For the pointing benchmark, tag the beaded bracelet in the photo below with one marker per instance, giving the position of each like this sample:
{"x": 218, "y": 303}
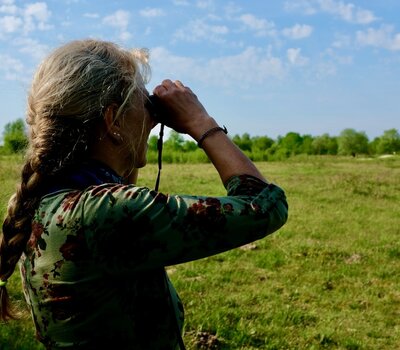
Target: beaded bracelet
{"x": 211, "y": 131}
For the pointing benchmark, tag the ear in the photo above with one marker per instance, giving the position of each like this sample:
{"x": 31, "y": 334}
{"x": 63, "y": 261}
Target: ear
{"x": 113, "y": 125}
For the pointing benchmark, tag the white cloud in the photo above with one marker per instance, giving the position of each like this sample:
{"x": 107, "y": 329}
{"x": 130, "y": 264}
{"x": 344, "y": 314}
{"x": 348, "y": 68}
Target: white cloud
{"x": 32, "y": 47}
{"x": 199, "y": 30}
{"x": 91, "y": 15}
{"x": 325, "y": 69}
{"x": 232, "y": 9}
{"x": 11, "y": 68}
{"x": 119, "y": 20}
{"x": 124, "y": 35}
{"x": 8, "y": 7}
{"x": 252, "y": 66}
{"x": 38, "y": 11}
{"x": 152, "y": 12}
{"x": 261, "y": 26}
{"x": 382, "y": 37}
{"x": 364, "y": 16}
{"x": 169, "y": 64}
{"x": 10, "y": 24}
{"x": 205, "y": 4}
{"x": 36, "y": 16}
{"x": 344, "y": 60}
{"x": 298, "y": 31}
{"x": 303, "y": 6}
{"x": 180, "y": 2}
{"x": 341, "y": 41}
{"x": 346, "y": 11}
{"x": 249, "y": 67}
{"x": 295, "y": 58}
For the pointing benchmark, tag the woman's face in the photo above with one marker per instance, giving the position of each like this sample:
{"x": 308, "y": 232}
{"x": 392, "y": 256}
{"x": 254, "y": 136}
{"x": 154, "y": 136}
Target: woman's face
{"x": 137, "y": 124}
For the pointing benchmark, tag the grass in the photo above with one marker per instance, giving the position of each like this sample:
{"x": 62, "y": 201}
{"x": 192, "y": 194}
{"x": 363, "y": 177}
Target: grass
{"x": 329, "y": 279}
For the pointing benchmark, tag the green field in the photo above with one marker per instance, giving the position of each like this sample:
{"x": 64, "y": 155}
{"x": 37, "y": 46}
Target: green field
{"x": 329, "y": 279}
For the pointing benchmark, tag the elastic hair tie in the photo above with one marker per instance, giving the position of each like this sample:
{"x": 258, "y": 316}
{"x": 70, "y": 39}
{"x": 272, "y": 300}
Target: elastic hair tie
{"x": 3, "y": 283}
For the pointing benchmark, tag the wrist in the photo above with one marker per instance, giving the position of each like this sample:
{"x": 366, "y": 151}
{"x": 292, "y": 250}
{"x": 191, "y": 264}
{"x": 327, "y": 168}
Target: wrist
{"x": 200, "y": 129}
{"x": 210, "y": 132}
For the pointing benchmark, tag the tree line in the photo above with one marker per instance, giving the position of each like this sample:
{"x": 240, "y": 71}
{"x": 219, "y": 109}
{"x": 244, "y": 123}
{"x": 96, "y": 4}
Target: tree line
{"x": 262, "y": 148}
{"x": 259, "y": 148}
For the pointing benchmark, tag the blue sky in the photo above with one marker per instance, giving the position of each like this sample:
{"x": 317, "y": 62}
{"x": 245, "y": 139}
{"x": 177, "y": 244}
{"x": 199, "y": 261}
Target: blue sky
{"x": 260, "y": 67}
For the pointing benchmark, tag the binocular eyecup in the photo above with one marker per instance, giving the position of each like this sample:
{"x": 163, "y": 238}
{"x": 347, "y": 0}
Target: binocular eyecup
{"x": 155, "y": 109}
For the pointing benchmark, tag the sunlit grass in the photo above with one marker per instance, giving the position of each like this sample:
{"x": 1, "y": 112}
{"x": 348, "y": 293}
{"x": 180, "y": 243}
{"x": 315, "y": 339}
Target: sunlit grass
{"x": 329, "y": 279}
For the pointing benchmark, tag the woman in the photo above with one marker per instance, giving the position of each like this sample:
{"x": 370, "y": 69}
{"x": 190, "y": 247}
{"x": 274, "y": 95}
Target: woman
{"x": 92, "y": 244}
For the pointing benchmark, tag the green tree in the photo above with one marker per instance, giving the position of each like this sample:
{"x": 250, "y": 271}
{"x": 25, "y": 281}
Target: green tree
{"x": 153, "y": 140}
{"x": 290, "y": 144}
{"x": 352, "y": 142}
{"x": 259, "y": 147}
{"x": 14, "y": 136}
{"x": 389, "y": 142}
{"x": 373, "y": 146}
{"x": 175, "y": 141}
{"x": 325, "y": 144}
{"x": 243, "y": 142}
{"x": 189, "y": 146}
{"x": 306, "y": 145}
{"x": 261, "y": 143}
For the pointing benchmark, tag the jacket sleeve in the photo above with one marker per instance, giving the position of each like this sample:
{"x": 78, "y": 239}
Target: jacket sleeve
{"x": 130, "y": 228}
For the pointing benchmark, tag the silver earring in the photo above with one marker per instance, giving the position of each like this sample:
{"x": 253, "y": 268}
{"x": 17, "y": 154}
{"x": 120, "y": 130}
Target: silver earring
{"x": 119, "y": 136}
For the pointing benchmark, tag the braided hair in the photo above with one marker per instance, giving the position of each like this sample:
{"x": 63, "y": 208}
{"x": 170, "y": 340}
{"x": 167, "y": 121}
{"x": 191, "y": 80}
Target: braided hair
{"x": 69, "y": 93}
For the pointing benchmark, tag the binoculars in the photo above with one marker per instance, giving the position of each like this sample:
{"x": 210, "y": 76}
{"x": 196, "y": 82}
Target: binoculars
{"x": 154, "y": 108}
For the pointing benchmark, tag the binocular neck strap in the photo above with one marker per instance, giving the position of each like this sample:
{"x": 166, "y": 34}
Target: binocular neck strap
{"x": 159, "y": 148}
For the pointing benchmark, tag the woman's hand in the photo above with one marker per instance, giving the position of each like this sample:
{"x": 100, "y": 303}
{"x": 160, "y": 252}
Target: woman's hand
{"x": 185, "y": 114}
{"x": 183, "y": 111}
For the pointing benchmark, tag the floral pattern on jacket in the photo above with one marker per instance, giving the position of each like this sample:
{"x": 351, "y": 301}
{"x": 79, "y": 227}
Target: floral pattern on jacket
{"x": 93, "y": 272}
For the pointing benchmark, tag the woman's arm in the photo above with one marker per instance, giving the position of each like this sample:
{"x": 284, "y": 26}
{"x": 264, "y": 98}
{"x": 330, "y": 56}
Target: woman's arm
{"x": 184, "y": 113}
{"x": 130, "y": 228}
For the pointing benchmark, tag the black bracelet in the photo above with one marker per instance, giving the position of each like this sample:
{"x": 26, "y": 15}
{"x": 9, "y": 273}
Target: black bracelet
{"x": 211, "y": 131}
